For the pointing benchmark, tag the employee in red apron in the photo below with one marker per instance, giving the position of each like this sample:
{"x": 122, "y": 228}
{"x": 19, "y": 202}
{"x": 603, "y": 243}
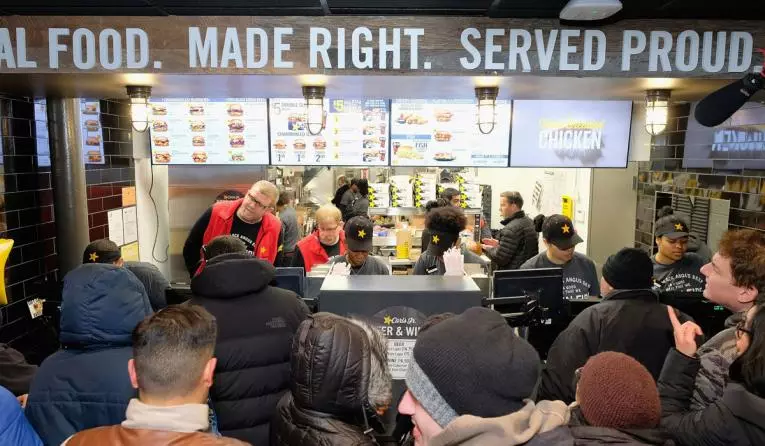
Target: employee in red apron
{"x": 247, "y": 219}
{"x": 326, "y": 242}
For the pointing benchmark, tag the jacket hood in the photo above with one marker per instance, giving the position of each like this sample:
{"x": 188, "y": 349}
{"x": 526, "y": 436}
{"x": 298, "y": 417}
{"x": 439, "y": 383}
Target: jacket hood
{"x": 514, "y": 429}
{"x": 101, "y": 306}
{"x": 331, "y": 365}
{"x": 233, "y": 275}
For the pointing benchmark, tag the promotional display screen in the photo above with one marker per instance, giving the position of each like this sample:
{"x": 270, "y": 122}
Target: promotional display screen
{"x": 355, "y": 133}
{"x": 444, "y": 133}
{"x": 209, "y": 131}
{"x": 570, "y": 133}
{"x": 92, "y": 135}
{"x": 738, "y": 143}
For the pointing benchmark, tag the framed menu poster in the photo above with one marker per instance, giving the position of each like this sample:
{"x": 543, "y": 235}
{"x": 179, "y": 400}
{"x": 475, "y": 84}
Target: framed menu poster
{"x": 444, "y": 133}
{"x": 209, "y": 131}
{"x": 92, "y": 135}
{"x": 355, "y": 134}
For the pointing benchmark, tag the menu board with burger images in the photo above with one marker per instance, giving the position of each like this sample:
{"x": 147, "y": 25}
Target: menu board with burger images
{"x": 444, "y": 133}
{"x": 92, "y": 136}
{"x": 571, "y": 133}
{"x": 209, "y": 131}
{"x": 355, "y": 134}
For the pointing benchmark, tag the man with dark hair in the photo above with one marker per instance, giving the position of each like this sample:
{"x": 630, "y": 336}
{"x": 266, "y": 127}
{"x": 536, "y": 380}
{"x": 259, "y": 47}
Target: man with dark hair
{"x": 172, "y": 368}
{"x": 223, "y": 244}
{"x": 452, "y": 195}
{"x": 518, "y": 241}
{"x": 157, "y": 286}
{"x": 290, "y": 228}
{"x": 444, "y": 225}
{"x": 735, "y": 279}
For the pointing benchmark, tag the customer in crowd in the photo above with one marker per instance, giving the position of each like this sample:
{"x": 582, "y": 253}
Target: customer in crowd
{"x": 580, "y": 278}
{"x": 326, "y": 242}
{"x": 629, "y": 320}
{"x": 429, "y": 206}
{"x": 157, "y": 286}
{"x": 86, "y": 384}
{"x": 357, "y": 261}
{"x": 172, "y": 369}
{"x": 470, "y": 381}
{"x": 14, "y": 428}
{"x": 15, "y": 372}
{"x": 248, "y": 219}
{"x": 444, "y": 225}
{"x": 256, "y": 323}
{"x": 360, "y": 203}
{"x": 340, "y": 384}
{"x": 518, "y": 240}
{"x": 290, "y": 228}
{"x": 735, "y": 279}
{"x": 674, "y": 268}
{"x": 616, "y": 403}
{"x": 736, "y": 418}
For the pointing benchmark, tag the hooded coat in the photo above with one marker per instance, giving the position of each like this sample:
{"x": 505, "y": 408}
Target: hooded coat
{"x": 256, "y": 323}
{"x": 328, "y": 399}
{"x": 86, "y": 383}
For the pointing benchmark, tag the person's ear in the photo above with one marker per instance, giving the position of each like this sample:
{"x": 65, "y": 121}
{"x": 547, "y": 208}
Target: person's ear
{"x": 748, "y": 295}
{"x": 120, "y": 262}
{"x": 209, "y": 372}
{"x": 132, "y": 373}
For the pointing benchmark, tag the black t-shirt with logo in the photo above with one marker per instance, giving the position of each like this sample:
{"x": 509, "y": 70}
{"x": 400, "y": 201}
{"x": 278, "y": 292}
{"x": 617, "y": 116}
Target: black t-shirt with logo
{"x": 683, "y": 276}
{"x": 580, "y": 277}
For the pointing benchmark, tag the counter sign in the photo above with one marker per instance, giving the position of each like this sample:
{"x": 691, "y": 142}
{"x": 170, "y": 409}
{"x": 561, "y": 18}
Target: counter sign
{"x": 400, "y": 325}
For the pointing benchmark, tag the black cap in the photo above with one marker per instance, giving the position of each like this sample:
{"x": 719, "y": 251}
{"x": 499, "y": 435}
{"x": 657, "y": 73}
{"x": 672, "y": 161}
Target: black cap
{"x": 358, "y": 233}
{"x": 101, "y": 251}
{"x": 629, "y": 269}
{"x": 559, "y": 230}
{"x": 671, "y": 226}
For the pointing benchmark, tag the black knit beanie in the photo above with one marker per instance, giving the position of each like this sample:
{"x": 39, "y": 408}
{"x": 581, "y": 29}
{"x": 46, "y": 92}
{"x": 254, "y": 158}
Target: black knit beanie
{"x": 472, "y": 364}
{"x": 629, "y": 269}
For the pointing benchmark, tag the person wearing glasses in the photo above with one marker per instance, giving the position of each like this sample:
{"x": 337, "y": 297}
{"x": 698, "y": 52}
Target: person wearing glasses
{"x": 247, "y": 219}
{"x": 327, "y": 241}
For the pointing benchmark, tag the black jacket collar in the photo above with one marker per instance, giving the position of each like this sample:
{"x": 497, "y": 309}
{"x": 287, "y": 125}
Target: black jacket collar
{"x": 519, "y": 214}
{"x": 645, "y": 295}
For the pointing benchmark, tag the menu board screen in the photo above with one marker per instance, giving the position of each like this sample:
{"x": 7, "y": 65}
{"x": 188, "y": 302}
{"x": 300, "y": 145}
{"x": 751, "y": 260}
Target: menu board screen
{"x": 571, "y": 133}
{"x": 445, "y": 133}
{"x": 209, "y": 131}
{"x": 92, "y": 136}
{"x": 355, "y": 134}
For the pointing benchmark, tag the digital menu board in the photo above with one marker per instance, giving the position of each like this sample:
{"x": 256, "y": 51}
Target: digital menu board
{"x": 571, "y": 133}
{"x": 355, "y": 134}
{"x": 92, "y": 135}
{"x": 445, "y": 133}
{"x": 209, "y": 131}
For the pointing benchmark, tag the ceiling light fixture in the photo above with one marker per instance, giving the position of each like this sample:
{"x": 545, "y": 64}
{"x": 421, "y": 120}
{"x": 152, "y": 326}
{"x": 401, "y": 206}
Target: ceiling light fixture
{"x": 139, "y": 106}
{"x": 487, "y": 105}
{"x": 314, "y": 108}
{"x": 656, "y": 111}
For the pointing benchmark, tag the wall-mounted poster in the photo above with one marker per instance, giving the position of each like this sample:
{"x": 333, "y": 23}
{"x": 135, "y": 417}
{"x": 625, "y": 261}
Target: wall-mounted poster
{"x": 355, "y": 134}
{"x": 209, "y": 131}
{"x": 92, "y": 136}
{"x": 570, "y": 133}
{"x": 444, "y": 133}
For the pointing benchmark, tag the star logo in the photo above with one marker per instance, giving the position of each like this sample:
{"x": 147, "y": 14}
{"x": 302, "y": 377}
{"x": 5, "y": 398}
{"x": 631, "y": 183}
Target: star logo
{"x": 362, "y": 233}
{"x": 387, "y": 320}
{"x": 679, "y": 226}
{"x": 281, "y": 248}
{"x": 436, "y": 239}
{"x": 93, "y": 257}
{"x": 263, "y": 251}
{"x": 566, "y": 229}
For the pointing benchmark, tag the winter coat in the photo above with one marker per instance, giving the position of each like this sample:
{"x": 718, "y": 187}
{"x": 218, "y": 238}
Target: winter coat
{"x": 738, "y": 418}
{"x": 14, "y": 428}
{"x": 586, "y": 435}
{"x": 256, "y": 323}
{"x": 152, "y": 279}
{"x": 716, "y": 356}
{"x": 86, "y": 383}
{"x": 518, "y": 242}
{"x": 326, "y": 403}
{"x": 632, "y": 322}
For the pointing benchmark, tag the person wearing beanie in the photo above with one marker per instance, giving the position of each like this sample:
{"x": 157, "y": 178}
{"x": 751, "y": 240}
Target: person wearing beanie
{"x": 676, "y": 270}
{"x": 616, "y": 402}
{"x": 629, "y": 320}
{"x": 469, "y": 383}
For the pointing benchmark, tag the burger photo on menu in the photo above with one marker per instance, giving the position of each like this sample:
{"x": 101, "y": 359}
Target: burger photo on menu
{"x": 442, "y": 136}
{"x": 235, "y": 125}
{"x": 93, "y": 140}
{"x": 94, "y": 156}
{"x": 91, "y": 125}
{"x": 370, "y": 156}
{"x": 198, "y": 141}
{"x": 444, "y": 156}
{"x": 370, "y": 130}
{"x": 234, "y": 110}
{"x": 196, "y": 109}
{"x": 411, "y": 118}
{"x": 371, "y": 143}
{"x": 90, "y": 109}
{"x": 162, "y": 157}
{"x": 236, "y": 156}
{"x": 443, "y": 115}
{"x": 299, "y": 144}
{"x": 159, "y": 126}
{"x": 319, "y": 143}
{"x": 199, "y": 156}
{"x": 197, "y": 126}
{"x": 236, "y": 140}
{"x": 161, "y": 141}
{"x": 158, "y": 110}
{"x": 280, "y": 144}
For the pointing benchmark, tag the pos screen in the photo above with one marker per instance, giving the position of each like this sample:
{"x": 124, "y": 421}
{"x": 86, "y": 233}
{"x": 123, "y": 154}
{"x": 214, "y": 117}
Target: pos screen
{"x": 545, "y": 285}
{"x": 290, "y": 279}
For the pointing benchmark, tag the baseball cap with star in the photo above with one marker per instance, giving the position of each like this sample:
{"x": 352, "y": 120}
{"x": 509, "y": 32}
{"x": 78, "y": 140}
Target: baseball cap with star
{"x": 358, "y": 233}
{"x": 559, "y": 230}
{"x": 671, "y": 226}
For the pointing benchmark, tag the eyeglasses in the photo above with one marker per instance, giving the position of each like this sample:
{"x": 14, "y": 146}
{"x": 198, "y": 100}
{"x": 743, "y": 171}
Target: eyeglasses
{"x": 256, "y": 201}
{"x": 741, "y": 329}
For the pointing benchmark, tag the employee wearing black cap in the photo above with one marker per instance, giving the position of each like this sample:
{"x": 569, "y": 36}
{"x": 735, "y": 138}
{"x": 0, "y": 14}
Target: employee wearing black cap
{"x": 580, "y": 278}
{"x": 358, "y": 242}
{"x": 674, "y": 268}
{"x": 444, "y": 225}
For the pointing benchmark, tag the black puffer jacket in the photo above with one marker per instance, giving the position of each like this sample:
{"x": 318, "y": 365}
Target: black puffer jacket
{"x": 256, "y": 323}
{"x": 518, "y": 242}
{"x": 328, "y": 393}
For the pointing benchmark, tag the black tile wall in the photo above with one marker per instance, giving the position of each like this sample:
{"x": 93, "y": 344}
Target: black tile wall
{"x": 744, "y": 188}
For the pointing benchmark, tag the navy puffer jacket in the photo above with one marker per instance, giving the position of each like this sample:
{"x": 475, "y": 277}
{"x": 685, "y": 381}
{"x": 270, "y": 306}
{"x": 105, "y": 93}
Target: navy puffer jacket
{"x": 86, "y": 383}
